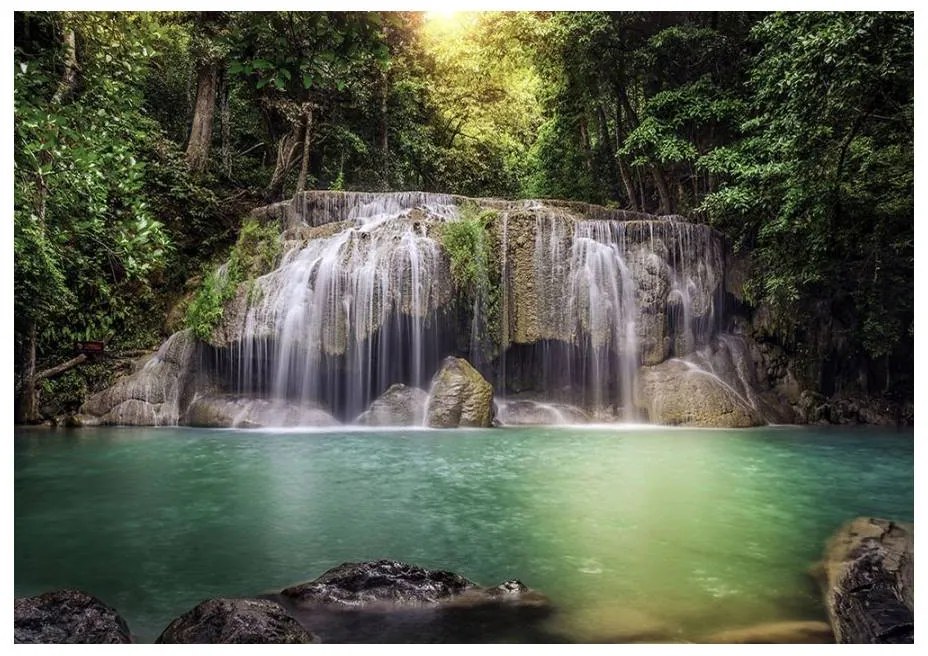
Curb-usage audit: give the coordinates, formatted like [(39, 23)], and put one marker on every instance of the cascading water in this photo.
[(590, 301), (346, 315)]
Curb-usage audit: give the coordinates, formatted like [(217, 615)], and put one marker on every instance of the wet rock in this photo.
[(67, 616), (223, 411), (535, 413), (868, 582), (153, 395), (797, 632), (236, 621), (459, 396), (391, 584), (400, 405), (677, 394), (353, 585)]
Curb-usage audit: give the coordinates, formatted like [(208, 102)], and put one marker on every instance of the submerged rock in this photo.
[(236, 621), (400, 405), (459, 396), (67, 616), (868, 582), (224, 411), (798, 632), (387, 583)]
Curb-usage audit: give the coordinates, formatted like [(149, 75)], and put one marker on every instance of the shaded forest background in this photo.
[(142, 139)]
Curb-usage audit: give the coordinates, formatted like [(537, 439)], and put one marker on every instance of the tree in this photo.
[(85, 243), (821, 186)]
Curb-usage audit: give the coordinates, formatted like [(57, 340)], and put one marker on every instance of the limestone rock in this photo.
[(459, 396), (153, 395), (67, 616), (400, 405), (227, 411), (869, 582), (677, 394), (236, 621)]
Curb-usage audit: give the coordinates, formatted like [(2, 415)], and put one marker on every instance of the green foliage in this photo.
[(821, 187), (474, 269), (254, 254), (87, 246)]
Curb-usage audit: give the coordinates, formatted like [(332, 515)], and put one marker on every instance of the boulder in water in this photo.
[(868, 582), (220, 411), (67, 616), (676, 393), (460, 396), (236, 621), (387, 583), (400, 405)]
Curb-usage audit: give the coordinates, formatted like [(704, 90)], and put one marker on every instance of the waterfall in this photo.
[(344, 316), (590, 300)]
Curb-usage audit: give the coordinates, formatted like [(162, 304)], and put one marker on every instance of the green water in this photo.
[(651, 534)]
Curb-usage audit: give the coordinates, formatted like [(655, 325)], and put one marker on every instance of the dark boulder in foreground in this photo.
[(236, 621), (386, 601), (389, 583), (67, 617), (868, 582), (353, 585)]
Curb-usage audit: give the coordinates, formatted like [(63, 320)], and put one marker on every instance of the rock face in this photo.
[(236, 621), (67, 616), (225, 411), (387, 583), (155, 395), (459, 396), (869, 583), (677, 394), (400, 405)]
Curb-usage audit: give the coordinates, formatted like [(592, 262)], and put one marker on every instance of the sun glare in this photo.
[(448, 21)]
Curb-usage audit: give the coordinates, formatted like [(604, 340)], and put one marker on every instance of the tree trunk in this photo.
[(288, 150), (628, 183), (68, 81), (29, 399), (225, 120), (307, 138), (585, 144), (201, 128), (666, 201), (624, 172), (384, 133)]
